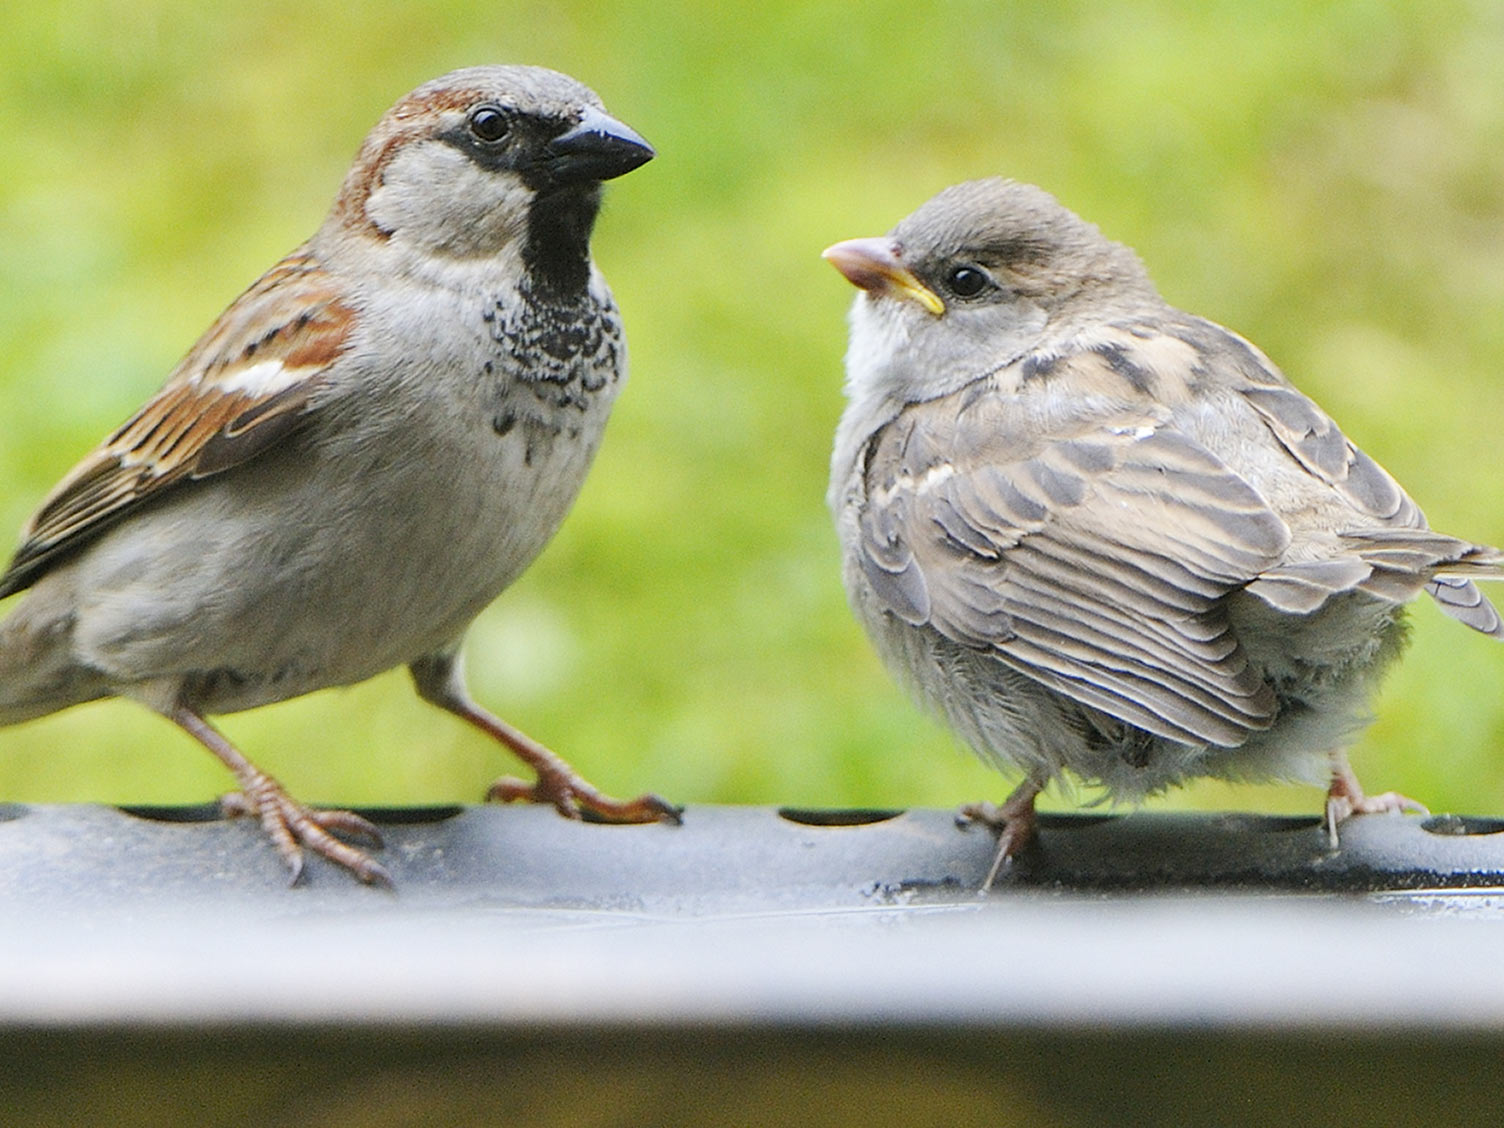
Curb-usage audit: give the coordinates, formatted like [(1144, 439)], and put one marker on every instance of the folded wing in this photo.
[(1089, 548), (246, 384)]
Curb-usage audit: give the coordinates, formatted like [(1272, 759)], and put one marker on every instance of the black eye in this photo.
[(489, 124), (966, 281)]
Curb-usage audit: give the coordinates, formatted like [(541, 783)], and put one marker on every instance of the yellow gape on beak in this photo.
[(872, 265)]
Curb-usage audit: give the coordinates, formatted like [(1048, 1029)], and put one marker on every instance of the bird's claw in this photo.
[(1014, 822), (292, 827), (1343, 802), (574, 798)]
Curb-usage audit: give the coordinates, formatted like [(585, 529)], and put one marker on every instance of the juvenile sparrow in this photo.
[(1102, 536), (370, 444)]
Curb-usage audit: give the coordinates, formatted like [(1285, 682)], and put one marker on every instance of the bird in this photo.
[(1104, 539), (370, 443)]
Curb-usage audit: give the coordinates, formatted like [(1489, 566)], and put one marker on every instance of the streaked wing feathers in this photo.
[(1314, 440), (1395, 559), (1092, 552), (244, 386)]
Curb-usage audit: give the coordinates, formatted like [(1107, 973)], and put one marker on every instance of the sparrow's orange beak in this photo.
[(871, 265)]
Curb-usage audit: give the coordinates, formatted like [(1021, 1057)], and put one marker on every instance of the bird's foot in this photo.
[(1345, 798), (292, 827), (1014, 820), (439, 682), (573, 797)]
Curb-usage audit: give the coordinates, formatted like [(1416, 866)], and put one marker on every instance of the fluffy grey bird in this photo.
[(371, 443), (1102, 536)]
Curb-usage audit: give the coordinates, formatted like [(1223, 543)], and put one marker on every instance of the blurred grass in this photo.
[(1326, 179)]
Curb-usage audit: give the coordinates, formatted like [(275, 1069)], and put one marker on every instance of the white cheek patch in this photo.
[(408, 179), (434, 196)]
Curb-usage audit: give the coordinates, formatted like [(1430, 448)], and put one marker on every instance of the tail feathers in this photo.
[(1462, 600), (29, 699), (1447, 566), (42, 707), (38, 674), (1394, 565)]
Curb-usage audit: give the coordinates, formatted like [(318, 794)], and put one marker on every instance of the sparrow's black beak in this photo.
[(598, 148)]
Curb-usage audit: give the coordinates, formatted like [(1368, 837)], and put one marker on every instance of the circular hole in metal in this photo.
[(184, 813), (210, 812), (1461, 825), (410, 816), (809, 816)]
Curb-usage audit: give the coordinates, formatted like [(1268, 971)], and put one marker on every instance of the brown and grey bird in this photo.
[(370, 444), (1101, 536)]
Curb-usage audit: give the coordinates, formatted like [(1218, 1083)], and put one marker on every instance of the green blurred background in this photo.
[(1328, 179)]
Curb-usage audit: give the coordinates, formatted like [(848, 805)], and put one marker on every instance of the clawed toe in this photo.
[(1340, 808), (574, 798), (988, 814), (291, 826), (1345, 798), (439, 681), (294, 828), (1014, 822)]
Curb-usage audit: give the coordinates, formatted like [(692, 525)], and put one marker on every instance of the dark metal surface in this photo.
[(513, 917), (764, 858), (751, 967)]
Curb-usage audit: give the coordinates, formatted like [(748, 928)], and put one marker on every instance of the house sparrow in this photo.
[(370, 444), (1102, 536)]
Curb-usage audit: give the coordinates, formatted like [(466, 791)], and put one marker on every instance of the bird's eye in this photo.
[(966, 281), (489, 124)]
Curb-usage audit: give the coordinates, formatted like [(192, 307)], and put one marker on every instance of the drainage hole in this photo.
[(185, 813), (809, 816), (1460, 825), (410, 816), (210, 812)]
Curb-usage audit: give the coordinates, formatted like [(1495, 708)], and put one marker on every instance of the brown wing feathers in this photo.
[(239, 390)]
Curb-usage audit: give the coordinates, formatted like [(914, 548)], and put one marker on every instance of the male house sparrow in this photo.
[(360, 454), (1100, 535)]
